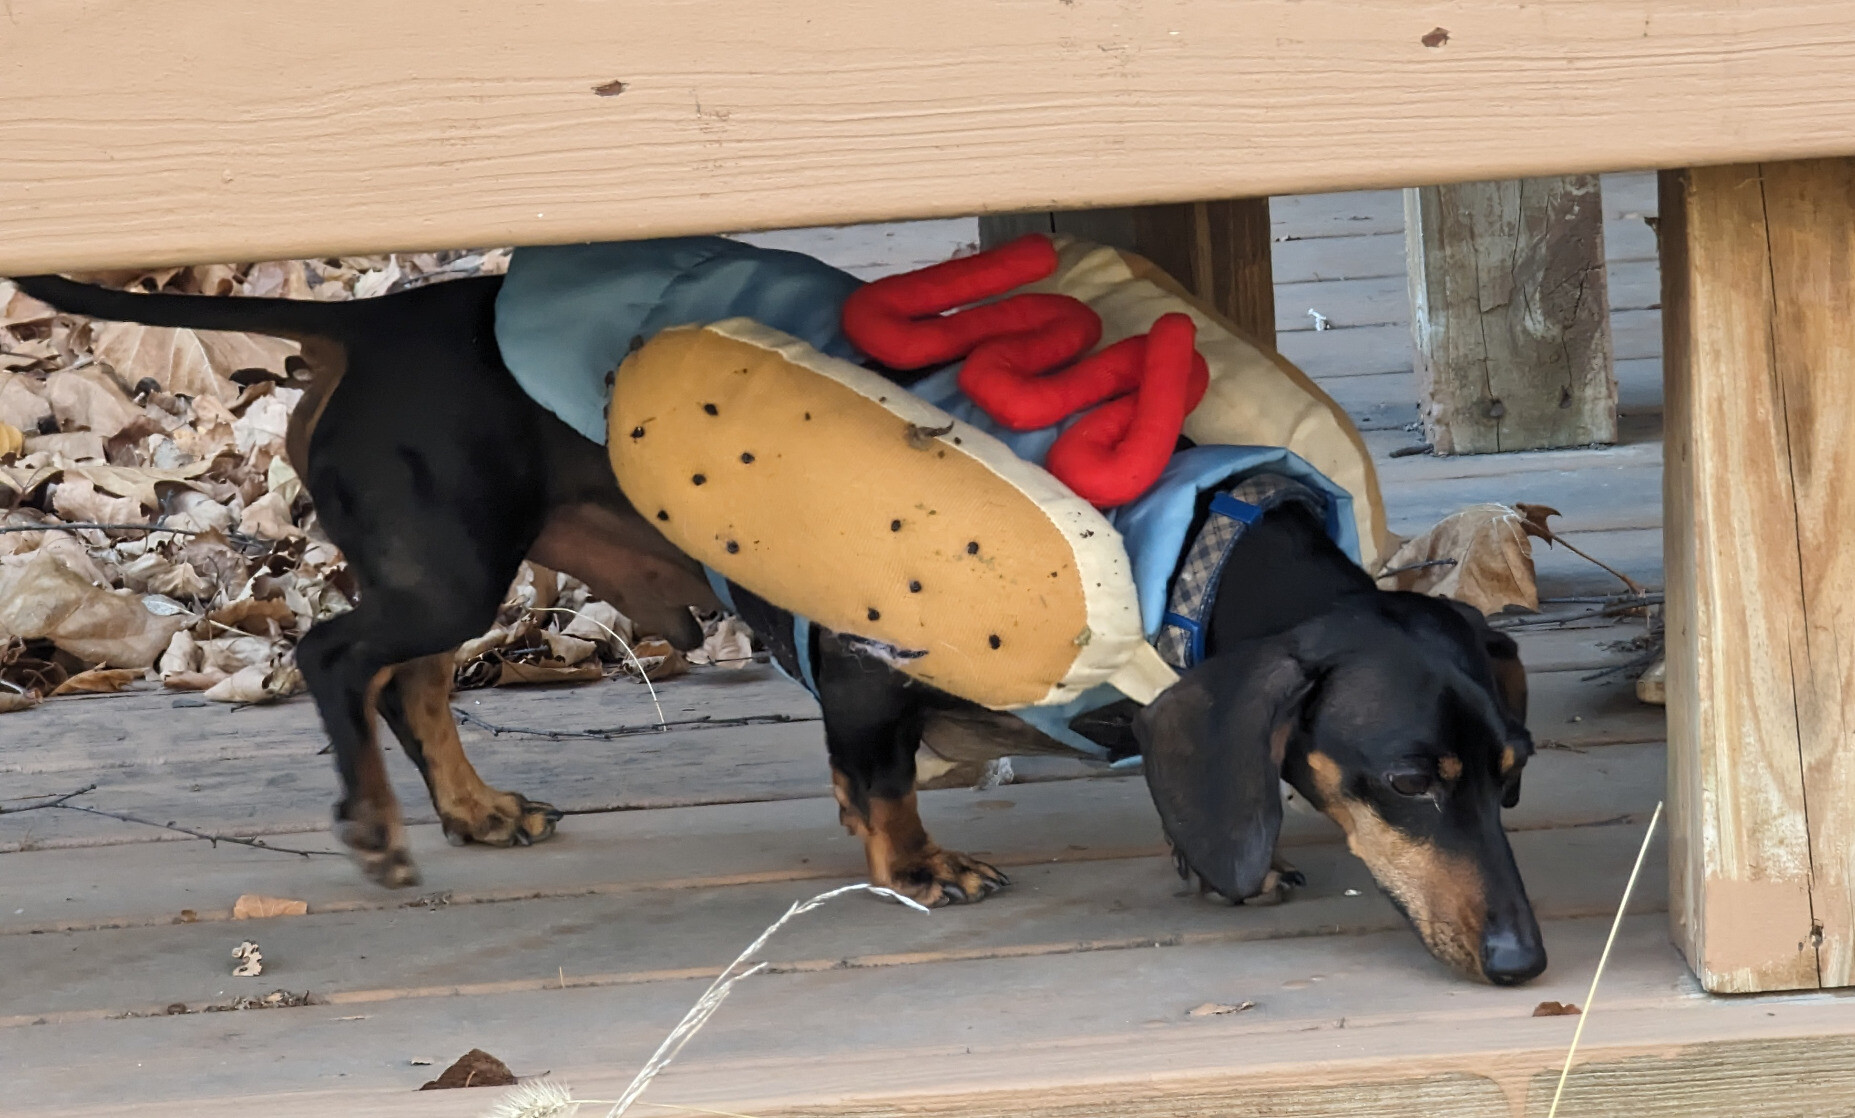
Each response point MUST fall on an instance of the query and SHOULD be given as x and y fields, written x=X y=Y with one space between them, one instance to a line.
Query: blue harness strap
x=1180 y=641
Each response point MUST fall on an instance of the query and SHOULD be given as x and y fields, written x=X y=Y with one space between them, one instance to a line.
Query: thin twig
x=1627 y=605
x=1641 y=661
x=705 y=722
x=1596 y=977
x=190 y=831
x=68 y=527
x=1554 y=537
x=1418 y=567
x=57 y=801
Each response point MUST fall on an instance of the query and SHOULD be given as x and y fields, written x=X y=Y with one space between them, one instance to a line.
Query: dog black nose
x=1509 y=957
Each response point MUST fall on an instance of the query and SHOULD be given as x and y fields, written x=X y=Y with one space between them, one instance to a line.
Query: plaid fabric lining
x=1180 y=641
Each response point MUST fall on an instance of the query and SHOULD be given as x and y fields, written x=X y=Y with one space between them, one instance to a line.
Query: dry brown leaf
x=77 y=500
x=235 y=653
x=246 y=685
x=1218 y=1009
x=268 y=518
x=173 y=358
x=136 y=482
x=192 y=681
x=87 y=400
x=22 y=402
x=568 y=650
x=1556 y=1009
x=72 y=446
x=475 y=1068
x=515 y=674
x=13 y=701
x=731 y=645
x=601 y=623
x=266 y=420
x=253 y=615
x=250 y=960
x=43 y=598
x=154 y=573
x=12 y=440
x=1481 y=556
x=256 y=906
x=659 y=659
x=182 y=655
x=98 y=681
x=193 y=511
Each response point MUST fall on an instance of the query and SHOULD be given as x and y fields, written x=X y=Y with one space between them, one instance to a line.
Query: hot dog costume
x=738 y=413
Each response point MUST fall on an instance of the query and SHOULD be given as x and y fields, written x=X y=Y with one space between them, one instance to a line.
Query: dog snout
x=1511 y=951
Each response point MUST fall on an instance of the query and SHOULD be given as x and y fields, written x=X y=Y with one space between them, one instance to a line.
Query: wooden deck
x=1069 y=994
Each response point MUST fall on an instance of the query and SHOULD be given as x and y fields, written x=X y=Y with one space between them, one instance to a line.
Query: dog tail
x=294 y=318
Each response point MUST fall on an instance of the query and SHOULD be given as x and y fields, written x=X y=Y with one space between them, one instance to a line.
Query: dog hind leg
x=416 y=704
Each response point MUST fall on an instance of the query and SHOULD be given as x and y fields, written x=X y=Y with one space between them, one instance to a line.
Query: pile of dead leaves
x=120 y=425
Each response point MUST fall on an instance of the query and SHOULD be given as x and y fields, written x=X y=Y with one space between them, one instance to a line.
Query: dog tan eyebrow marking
x=1450 y=767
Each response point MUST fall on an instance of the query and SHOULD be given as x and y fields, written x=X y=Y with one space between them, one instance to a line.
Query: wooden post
x=1218 y=250
x=1758 y=296
x=1510 y=316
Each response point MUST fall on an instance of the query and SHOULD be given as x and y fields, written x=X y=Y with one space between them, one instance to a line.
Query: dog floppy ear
x=1212 y=745
x=1510 y=693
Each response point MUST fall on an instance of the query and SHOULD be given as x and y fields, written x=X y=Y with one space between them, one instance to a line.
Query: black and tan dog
x=1399 y=716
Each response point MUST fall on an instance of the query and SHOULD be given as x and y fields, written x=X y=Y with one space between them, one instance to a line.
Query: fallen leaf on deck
x=43 y=598
x=256 y=906
x=1556 y=1009
x=729 y=645
x=475 y=1068
x=251 y=960
x=187 y=916
x=12 y=440
x=659 y=659
x=268 y=518
x=77 y=500
x=568 y=650
x=12 y=701
x=1481 y=556
x=514 y=673
x=1218 y=1009
x=98 y=681
x=88 y=400
x=258 y=683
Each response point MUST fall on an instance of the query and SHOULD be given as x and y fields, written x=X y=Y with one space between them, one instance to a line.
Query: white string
x=723 y=985
x=547 y=1099
x=1591 y=995
x=662 y=722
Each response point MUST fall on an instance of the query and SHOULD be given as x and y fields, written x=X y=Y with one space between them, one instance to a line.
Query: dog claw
x=947 y=877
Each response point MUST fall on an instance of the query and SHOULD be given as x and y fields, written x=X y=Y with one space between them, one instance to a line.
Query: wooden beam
x=1217 y=250
x=1510 y=314
x=178 y=131
x=1758 y=302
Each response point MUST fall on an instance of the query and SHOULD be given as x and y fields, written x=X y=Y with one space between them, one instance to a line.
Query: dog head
x=1402 y=718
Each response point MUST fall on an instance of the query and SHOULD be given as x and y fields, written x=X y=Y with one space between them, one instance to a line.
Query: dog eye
x=1411 y=783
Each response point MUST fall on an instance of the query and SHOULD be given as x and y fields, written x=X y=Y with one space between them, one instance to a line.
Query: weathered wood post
x=1218 y=250
x=1510 y=316
x=1758 y=297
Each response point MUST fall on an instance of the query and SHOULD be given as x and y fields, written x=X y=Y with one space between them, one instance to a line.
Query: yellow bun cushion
x=828 y=491
x=1256 y=397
